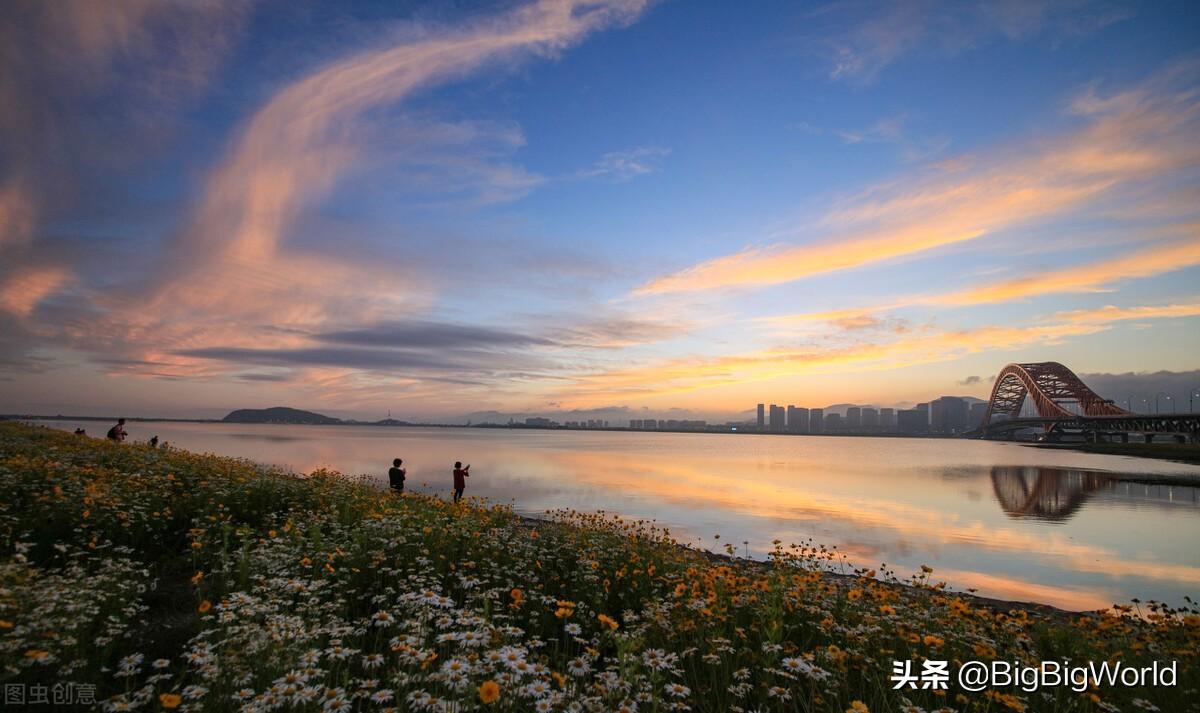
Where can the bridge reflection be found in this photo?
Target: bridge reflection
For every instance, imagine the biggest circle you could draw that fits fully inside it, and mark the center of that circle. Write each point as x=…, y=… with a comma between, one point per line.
x=1056, y=494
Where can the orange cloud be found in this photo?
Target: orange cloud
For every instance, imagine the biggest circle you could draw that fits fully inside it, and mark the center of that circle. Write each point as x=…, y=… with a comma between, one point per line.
x=683, y=375
x=1095, y=277
x=22, y=292
x=1154, y=260
x=16, y=215
x=1131, y=136
x=1111, y=313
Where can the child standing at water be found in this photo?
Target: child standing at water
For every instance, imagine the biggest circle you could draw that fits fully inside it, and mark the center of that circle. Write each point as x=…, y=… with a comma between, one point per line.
x=460, y=479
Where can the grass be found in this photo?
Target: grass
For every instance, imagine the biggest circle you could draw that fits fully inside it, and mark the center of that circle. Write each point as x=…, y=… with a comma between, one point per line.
x=171, y=580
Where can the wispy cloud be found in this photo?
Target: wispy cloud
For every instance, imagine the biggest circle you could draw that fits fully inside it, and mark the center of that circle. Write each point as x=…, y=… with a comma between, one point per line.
x=893, y=130
x=627, y=165
x=431, y=336
x=1144, y=133
x=1112, y=313
x=440, y=164
x=21, y=292
x=861, y=39
x=1098, y=276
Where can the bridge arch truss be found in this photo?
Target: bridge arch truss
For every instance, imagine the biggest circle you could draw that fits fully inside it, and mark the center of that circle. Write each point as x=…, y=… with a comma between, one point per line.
x=1051, y=387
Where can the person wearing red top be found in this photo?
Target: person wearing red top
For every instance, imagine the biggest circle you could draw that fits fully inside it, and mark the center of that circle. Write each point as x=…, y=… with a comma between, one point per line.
x=460, y=479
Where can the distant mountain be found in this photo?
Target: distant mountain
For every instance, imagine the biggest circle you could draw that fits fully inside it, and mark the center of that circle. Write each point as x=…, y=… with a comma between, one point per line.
x=390, y=422
x=841, y=408
x=277, y=414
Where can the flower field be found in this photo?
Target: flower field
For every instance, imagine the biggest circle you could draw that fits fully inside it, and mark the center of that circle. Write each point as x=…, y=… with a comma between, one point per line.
x=170, y=580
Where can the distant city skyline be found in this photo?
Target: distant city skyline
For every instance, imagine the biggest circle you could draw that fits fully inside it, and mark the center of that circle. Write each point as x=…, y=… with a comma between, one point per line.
x=617, y=209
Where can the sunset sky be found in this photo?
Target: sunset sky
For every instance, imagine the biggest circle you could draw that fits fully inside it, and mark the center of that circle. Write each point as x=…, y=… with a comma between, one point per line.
x=531, y=207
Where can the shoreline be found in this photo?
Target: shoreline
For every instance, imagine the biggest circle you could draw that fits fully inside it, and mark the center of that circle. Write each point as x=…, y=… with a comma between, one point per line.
x=1180, y=453
x=1188, y=453
x=992, y=603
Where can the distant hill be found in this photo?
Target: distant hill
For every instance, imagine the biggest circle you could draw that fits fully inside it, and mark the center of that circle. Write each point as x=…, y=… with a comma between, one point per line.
x=277, y=414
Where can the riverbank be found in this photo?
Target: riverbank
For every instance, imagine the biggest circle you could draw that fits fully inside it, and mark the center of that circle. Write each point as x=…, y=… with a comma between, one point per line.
x=168, y=579
x=1179, y=452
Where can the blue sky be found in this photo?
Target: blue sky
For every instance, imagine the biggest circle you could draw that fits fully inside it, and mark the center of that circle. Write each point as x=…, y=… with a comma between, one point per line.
x=530, y=206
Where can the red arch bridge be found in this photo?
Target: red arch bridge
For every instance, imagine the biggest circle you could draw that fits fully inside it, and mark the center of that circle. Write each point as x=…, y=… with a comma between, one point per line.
x=1063, y=404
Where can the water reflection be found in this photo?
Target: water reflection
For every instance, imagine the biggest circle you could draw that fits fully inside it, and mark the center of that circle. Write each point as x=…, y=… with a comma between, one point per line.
x=1055, y=494
x=1044, y=493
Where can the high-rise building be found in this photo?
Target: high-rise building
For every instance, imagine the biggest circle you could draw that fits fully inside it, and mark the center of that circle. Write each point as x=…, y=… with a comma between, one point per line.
x=762, y=418
x=853, y=418
x=635, y=424
x=778, y=419
x=797, y=420
x=887, y=419
x=833, y=422
x=975, y=415
x=948, y=415
x=816, y=420
x=870, y=419
x=923, y=409
x=910, y=421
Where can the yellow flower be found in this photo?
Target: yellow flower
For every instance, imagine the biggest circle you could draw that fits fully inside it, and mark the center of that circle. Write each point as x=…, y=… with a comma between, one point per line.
x=517, y=596
x=608, y=621
x=197, y=578
x=204, y=606
x=931, y=640
x=169, y=700
x=858, y=707
x=854, y=594
x=5, y=624
x=1015, y=703
x=887, y=609
x=489, y=692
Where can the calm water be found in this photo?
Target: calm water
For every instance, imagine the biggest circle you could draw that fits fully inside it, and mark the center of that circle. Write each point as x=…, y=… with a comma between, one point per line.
x=1075, y=530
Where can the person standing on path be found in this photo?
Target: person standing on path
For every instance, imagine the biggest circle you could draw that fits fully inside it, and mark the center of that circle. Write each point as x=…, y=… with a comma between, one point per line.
x=396, y=476
x=460, y=479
